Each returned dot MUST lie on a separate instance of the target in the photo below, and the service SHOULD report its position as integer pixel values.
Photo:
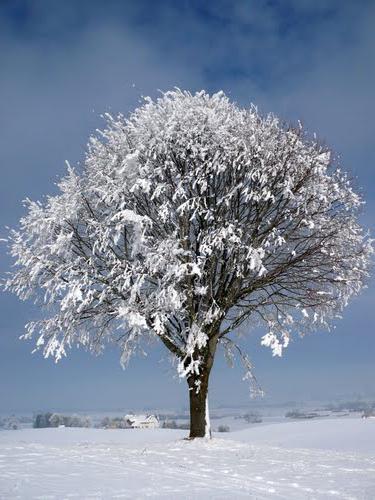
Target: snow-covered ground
(320, 459)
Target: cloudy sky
(63, 64)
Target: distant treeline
(42, 420)
(350, 406)
(172, 424)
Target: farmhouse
(142, 421)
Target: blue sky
(63, 64)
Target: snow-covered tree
(188, 219)
(57, 419)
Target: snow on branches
(187, 219)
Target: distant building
(142, 421)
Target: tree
(188, 219)
(57, 419)
(42, 420)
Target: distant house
(142, 421)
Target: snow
(333, 458)
(337, 434)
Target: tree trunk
(198, 392)
(199, 417)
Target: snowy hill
(319, 459)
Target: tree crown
(188, 218)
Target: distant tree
(223, 428)
(69, 420)
(42, 420)
(252, 418)
(55, 420)
(115, 423)
(187, 220)
(11, 423)
(293, 414)
(86, 421)
(169, 424)
(369, 412)
(105, 423)
(119, 423)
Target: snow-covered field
(320, 459)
